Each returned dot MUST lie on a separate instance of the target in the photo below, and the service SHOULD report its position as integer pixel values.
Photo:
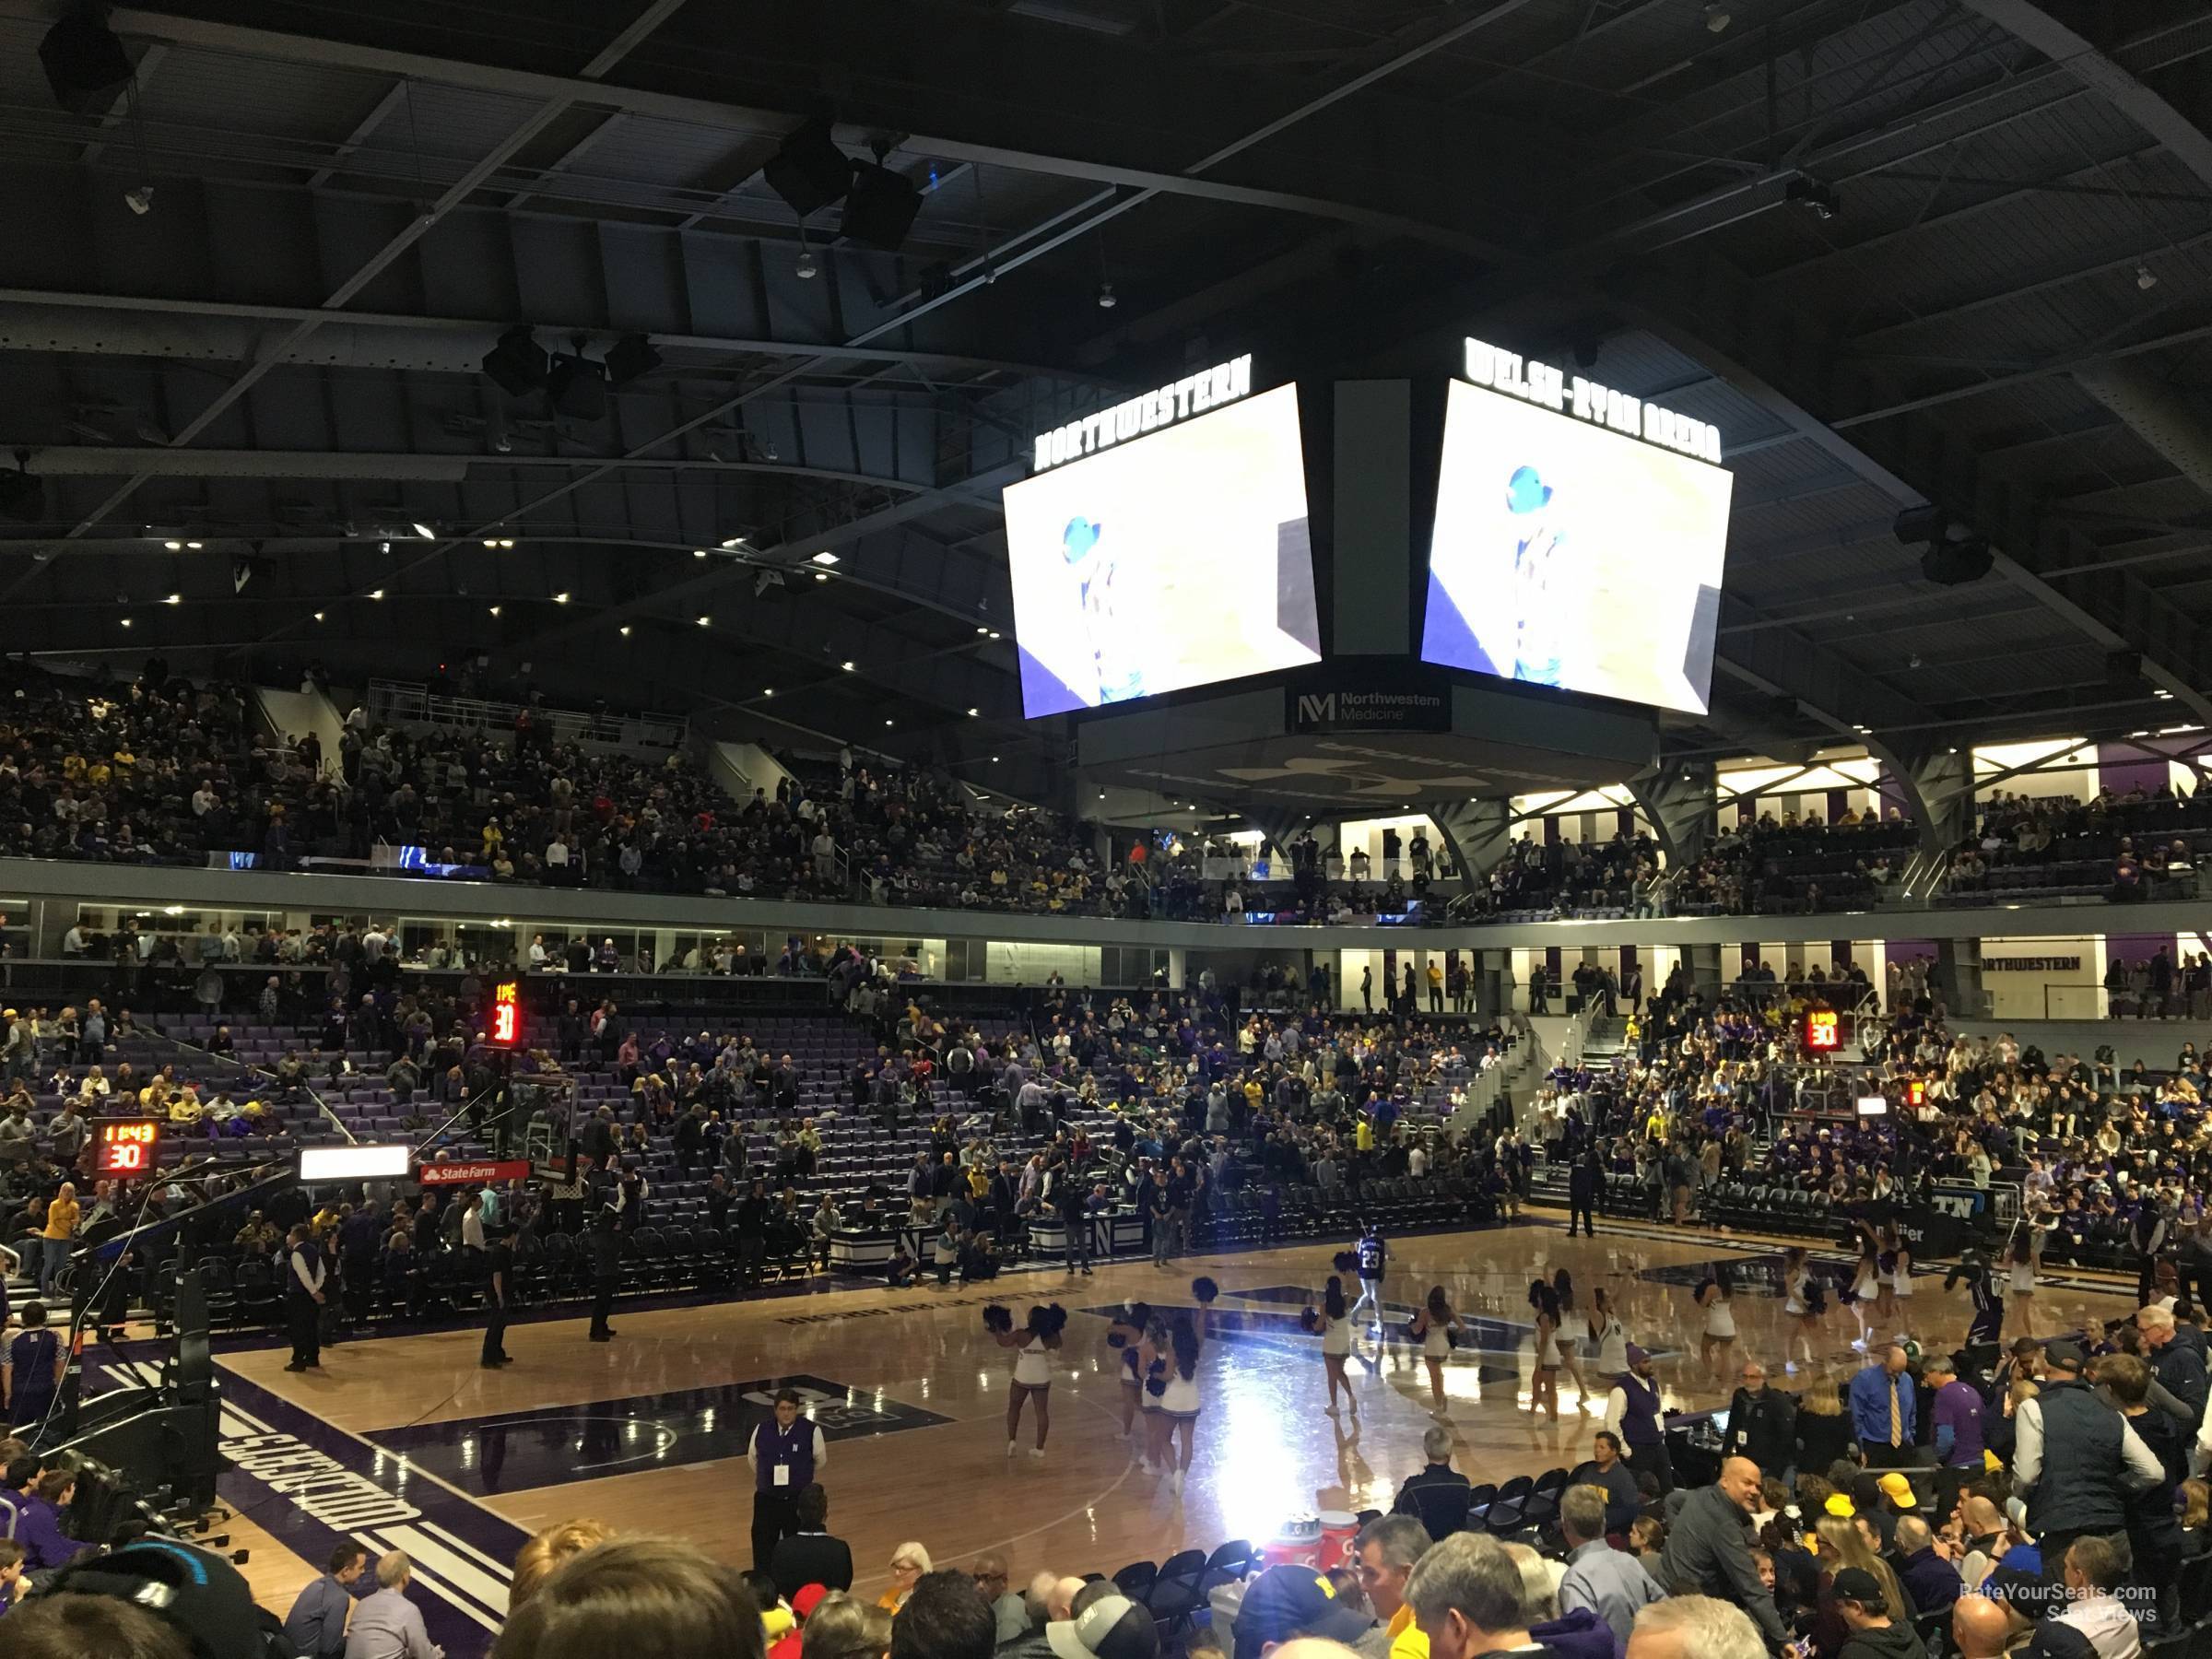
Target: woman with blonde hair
(1823, 1427)
(1839, 1542)
(909, 1562)
(548, 1549)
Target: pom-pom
(998, 1319)
(1205, 1290)
(1310, 1320)
(1048, 1321)
(1347, 1261)
(1155, 1386)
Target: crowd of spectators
(2121, 845)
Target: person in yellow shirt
(61, 1226)
(1363, 1136)
(1436, 987)
(1384, 1555)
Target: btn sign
(125, 1150)
(506, 1013)
(1823, 1031)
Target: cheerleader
(1865, 1283)
(1608, 1338)
(1801, 1297)
(1032, 1368)
(1125, 1334)
(1543, 1385)
(1152, 1364)
(1176, 1421)
(1884, 1268)
(2021, 1276)
(1433, 1328)
(1715, 1297)
(1334, 1324)
(1901, 1271)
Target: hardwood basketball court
(406, 1441)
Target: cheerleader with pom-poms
(1125, 1335)
(1032, 1367)
(1204, 1291)
(1171, 1388)
(1433, 1328)
(1331, 1321)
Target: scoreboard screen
(506, 1013)
(1823, 1031)
(124, 1148)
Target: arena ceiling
(2005, 312)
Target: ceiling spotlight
(807, 270)
(384, 547)
(626, 630)
(973, 714)
(767, 691)
(2145, 278)
(126, 621)
(1818, 199)
(175, 599)
(424, 531)
(846, 666)
(995, 633)
(887, 723)
(735, 541)
(824, 557)
(983, 631)
(704, 620)
(175, 546)
(318, 616)
(491, 542)
(376, 592)
(1717, 17)
(192, 547)
(821, 575)
(561, 599)
(495, 610)
(699, 552)
(1107, 298)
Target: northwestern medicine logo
(1317, 707)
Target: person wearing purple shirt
(45, 1544)
(1956, 1417)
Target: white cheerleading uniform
(1436, 1342)
(1720, 1318)
(1031, 1368)
(1901, 1279)
(1612, 1339)
(1336, 1335)
(1793, 1300)
(1181, 1401)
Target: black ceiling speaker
(1950, 563)
(880, 208)
(577, 387)
(808, 171)
(85, 64)
(517, 364)
(22, 497)
(629, 357)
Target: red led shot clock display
(124, 1149)
(1823, 1031)
(506, 1014)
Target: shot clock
(124, 1148)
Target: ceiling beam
(1769, 352)
(149, 61)
(654, 13)
(281, 47)
(2037, 27)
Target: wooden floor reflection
(1264, 1447)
